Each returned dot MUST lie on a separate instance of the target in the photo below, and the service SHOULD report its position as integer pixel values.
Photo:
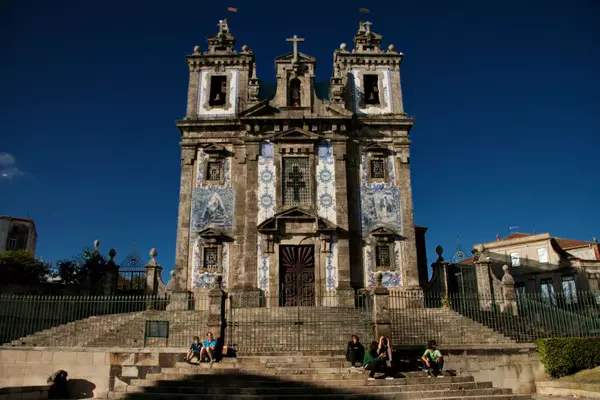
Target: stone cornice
(195, 62)
(346, 59)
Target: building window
(11, 243)
(296, 181)
(371, 89)
(211, 258)
(218, 91)
(377, 168)
(383, 259)
(295, 98)
(542, 255)
(569, 289)
(547, 289)
(515, 259)
(214, 171)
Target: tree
(69, 271)
(21, 267)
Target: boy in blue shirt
(208, 347)
(194, 350)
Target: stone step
(270, 387)
(328, 395)
(208, 376)
(416, 393)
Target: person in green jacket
(434, 362)
(375, 362)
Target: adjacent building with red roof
(539, 263)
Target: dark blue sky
(505, 96)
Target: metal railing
(132, 281)
(98, 321)
(326, 322)
(490, 320)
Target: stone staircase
(297, 377)
(118, 330)
(445, 326)
(263, 329)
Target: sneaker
(212, 361)
(440, 375)
(389, 378)
(371, 379)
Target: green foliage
(565, 356)
(19, 266)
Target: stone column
(188, 156)
(247, 284)
(410, 265)
(341, 197)
(216, 321)
(193, 91)
(484, 286)
(382, 319)
(153, 271)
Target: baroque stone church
(296, 191)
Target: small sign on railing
(157, 330)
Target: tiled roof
(469, 261)
(566, 244)
(16, 219)
(516, 235)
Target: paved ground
(536, 397)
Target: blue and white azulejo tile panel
(326, 204)
(267, 179)
(262, 264)
(206, 280)
(212, 206)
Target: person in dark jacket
(355, 352)
(375, 362)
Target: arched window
(295, 92)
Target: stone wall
(33, 366)
(515, 366)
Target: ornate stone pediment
(385, 233)
(213, 235)
(294, 135)
(215, 149)
(259, 109)
(301, 57)
(277, 223)
(376, 147)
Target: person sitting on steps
(375, 362)
(433, 359)
(208, 348)
(384, 350)
(194, 350)
(355, 352)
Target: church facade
(299, 192)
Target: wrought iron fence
(132, 281)
(98, 321)
(272, 323)
(490, 320)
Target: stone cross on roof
(223, 27)
(295, 40)
(368, 25)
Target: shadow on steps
(239, 385)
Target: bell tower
(295, 80)
(221, 79)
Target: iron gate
(276, 326)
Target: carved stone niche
(211, 250)
(377, 162)
(382, 242)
